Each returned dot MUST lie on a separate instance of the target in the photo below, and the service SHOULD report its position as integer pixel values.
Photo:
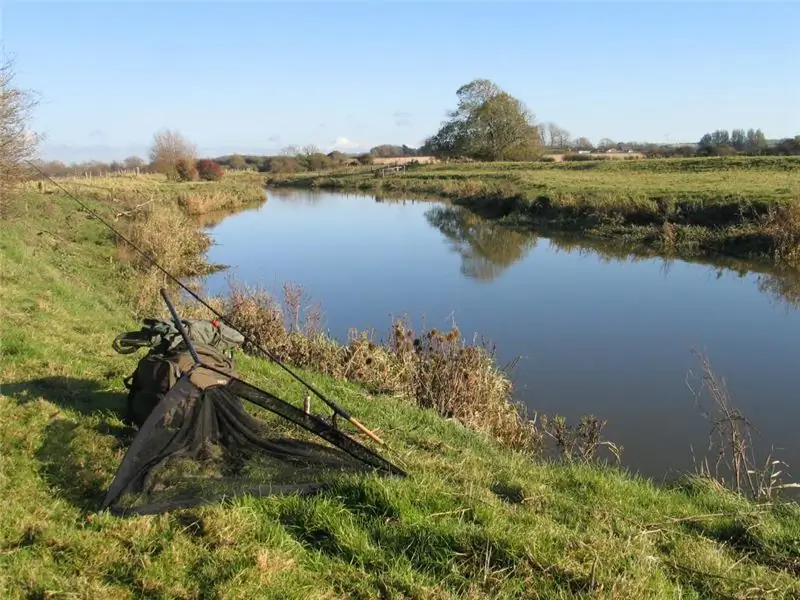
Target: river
(596, 331)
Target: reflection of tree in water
(784, 286)
(486, 248)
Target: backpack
(169, 358)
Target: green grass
(701, 206)
(473, 520)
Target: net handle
(179, 324)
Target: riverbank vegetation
(131, 191)
(730, 206)
(475, 518)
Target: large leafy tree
(489, 124)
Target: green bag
(163, 336)
(168, 358)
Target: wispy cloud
(96, 134)
(402, 118)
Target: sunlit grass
(473, 519)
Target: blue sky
(256, 76)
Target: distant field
(601, 155)
(754, 179)
(715, 205)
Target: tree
(606, 144)
(311, 158)
(720, 137)
(489, 124)
(583, 143)
(290, 151)
(237, 161)
(209, 170)
(133, 162)
(168, 150)
(559, 138)
(17, 143)
(756, 141)
(739, 139)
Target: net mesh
(202, 444)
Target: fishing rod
(337, 410)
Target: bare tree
(133, 162)
(310, 149)
(290, 151)
(17, 142)
(606, 143)
(170, 148)
(557, 137)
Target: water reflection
(215, 217)
(486, 248)
(781, 284)
(783, 287)
(602, 327)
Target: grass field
(473, 520)
(701, 206)
(233, 191)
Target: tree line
(487, 124)
(490, 124)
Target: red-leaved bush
(209, 170)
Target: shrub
(209, 170)
(433, 369)
(185, 169)
(281, 164)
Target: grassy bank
(233, 191)
(473, 520)
(745, 207)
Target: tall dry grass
(209, 197)
(433, 369)
(735, 464)
(782, 224)
(195, 197)
(169, 237)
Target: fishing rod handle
(366, 431)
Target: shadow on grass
(743, 539)
(83, 395)
(77, 456)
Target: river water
(596, 331)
